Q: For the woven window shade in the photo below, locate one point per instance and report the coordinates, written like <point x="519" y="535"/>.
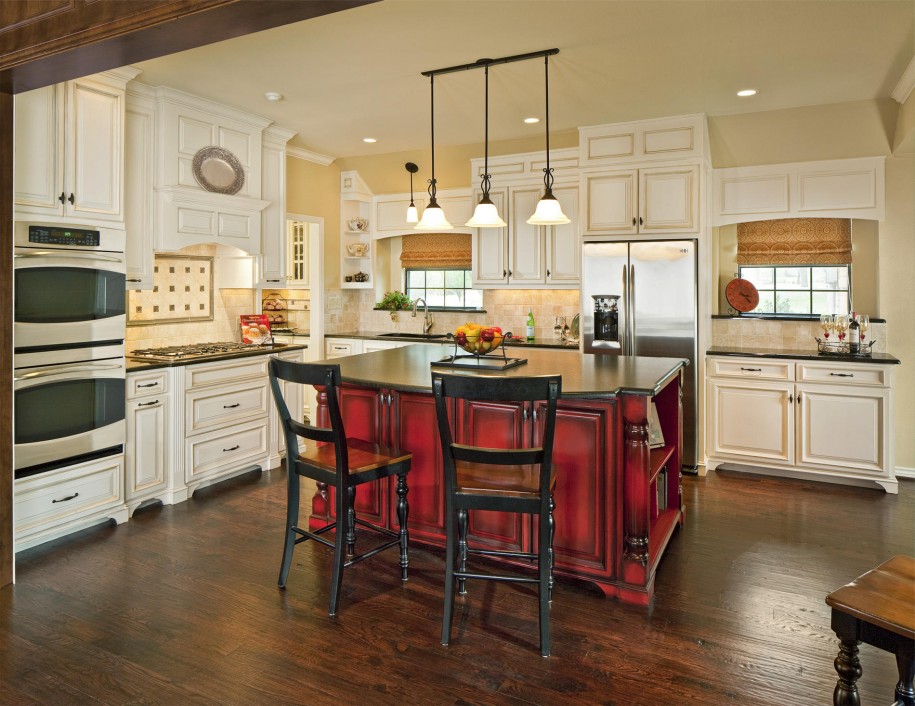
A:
<point x="429" y="250"/>
<point x="795" y="241"/>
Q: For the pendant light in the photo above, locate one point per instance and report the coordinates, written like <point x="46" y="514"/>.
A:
<point x="412" y="215"/>
<point x="486" y="215"/>
<point x="549" y="212"/>
<point x="433" y="215"/>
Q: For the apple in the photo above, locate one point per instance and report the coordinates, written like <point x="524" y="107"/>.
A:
<point x="487" y="335"/>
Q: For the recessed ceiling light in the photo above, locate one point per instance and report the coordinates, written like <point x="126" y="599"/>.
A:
<point x="369" y="139"/>
<point x="273" y="96"/>
<point x="747" y="92"/>
<point x="531" y="121"/>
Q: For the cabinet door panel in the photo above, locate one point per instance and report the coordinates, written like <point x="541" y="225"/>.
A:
<point x="362" y="412"/>
<point x="490" y="248"/>
<point x="416" y="431"/>
<point x="526" y="257"/>
<point x="611" y="202"/>
<point x="584" y="509"/>
<point x="38" y="149"/>
<point x="669" y="199"/>
<point x="497" y="426"/>
<point x="842" y="427"/>
<point x="146" y="446"/>
<point x="94" y="153"/>
<point x="563" y="242"/>
<point x="752" y="422"/>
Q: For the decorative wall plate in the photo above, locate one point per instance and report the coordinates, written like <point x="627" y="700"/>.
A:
<point x="218" y="170"/>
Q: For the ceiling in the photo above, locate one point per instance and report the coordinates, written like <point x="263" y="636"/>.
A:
<point x="357" y="73"/>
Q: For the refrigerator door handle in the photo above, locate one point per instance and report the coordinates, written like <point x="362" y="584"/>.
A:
<point x="624" y="339"/>
<point x="632" y="350"/>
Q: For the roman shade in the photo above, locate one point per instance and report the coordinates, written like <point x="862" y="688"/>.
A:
<point x="795" y="241"/>
<point x="428" y="250"/>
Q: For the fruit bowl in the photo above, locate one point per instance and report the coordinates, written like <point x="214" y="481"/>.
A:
<point x="478" y="339"/>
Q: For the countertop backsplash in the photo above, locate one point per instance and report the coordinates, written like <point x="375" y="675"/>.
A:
<point x="793" y="335"/>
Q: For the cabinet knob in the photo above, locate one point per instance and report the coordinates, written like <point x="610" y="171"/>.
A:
<point x="71" y="199"/>
<point x="641" y="222"/>
<point x="633" y="220"/>
<point x="62" y="198"/>
<point x="509" y="273"/>
<point x="504" y="273"/>
<point x="790" y="398"/>
<point x="547" y="273"/>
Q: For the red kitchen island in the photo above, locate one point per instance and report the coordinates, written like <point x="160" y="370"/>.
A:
<point x="617" y="498"/>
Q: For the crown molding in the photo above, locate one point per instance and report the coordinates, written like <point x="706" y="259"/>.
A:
<point x="309" y="156"/>
<point x="906" y="83"/>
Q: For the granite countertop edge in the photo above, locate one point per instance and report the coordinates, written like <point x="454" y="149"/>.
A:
<point x="879" y="358"/>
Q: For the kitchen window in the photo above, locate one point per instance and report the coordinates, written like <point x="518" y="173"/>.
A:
<point x="443" y="288"/>
<point x="800" y="290"/>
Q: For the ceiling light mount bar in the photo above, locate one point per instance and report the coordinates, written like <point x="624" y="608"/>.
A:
<point x="480" y="63"/>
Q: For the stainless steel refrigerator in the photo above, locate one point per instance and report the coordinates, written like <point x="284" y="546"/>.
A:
<point x="641" y="298"/>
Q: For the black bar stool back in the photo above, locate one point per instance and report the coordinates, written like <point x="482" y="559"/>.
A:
<point x="501" y="480"/>
<point x="340" y="462"/>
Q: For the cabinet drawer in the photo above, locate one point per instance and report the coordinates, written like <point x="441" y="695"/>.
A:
<point x="204" y="374"/>
<point x="215" y="407"/>
<point x="763" y="369"/>
<point x="217" y="451"/>
<point x="58" y="496"/>
<point x="848" y="374"/>
<point x="155" y="382"/>
<point x="336" y="348"/>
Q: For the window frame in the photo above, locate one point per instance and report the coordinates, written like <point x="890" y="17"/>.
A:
<point x="468" y="286"/>
<point x="810" y="290"/>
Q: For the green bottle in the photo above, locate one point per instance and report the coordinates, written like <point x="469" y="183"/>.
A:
<point x="530" y="326"/>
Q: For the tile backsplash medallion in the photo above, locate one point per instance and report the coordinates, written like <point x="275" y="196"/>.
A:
<point x="228" y="305"/>
<point x="505" y="308"/>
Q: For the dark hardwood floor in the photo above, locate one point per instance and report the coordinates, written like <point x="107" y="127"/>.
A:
<point x="180" y="606"/>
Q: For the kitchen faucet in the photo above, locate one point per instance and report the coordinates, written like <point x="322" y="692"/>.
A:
<point x="427" y="317"/>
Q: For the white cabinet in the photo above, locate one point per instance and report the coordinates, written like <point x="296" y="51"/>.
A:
<point x="371" y="345"/>
<point x="50" y="505"/>
<point x="139" y="189"/>
<point x="69" y="149"/>
<point x="840" y="188"/>
<point x="652" y="200"/>
<point x="830" y="421"/>
<point x="294" y="394"/>
<point x="223" y="420"/>
<point x="641" y="141"/>
<point x="340" y="347"/>
<point x="150" y="443"/>
<point x="274" y="230"/>
<point x="524" y="255"/>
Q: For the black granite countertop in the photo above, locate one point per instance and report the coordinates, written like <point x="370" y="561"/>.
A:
<point x="409" y="369"/>
<point x="883" y="358"/>
<point x="391" y="336"/>
<point x="138" y="364"/>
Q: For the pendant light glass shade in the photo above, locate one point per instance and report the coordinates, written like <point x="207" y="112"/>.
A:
<point x="433" y="215"/>
<point x="485" y="215"/>
<point x="412" y="213"/>
<point x="548" y="212"/>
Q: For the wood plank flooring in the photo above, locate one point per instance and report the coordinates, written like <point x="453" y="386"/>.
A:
<point x="180" y="606"/>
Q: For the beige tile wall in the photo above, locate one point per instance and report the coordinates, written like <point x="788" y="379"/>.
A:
<point x="795" y="335"/>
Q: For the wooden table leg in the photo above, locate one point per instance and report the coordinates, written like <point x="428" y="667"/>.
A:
<point x="905" y="662"/>
<point x="848" y="667"/>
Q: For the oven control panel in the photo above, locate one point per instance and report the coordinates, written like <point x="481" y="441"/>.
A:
<point x="59" y="235"/>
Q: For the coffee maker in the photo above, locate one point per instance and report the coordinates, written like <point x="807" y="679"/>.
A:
<point x="606" y="317"/>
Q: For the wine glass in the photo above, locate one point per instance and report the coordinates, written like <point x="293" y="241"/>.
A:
<point x="863" y="322"/>
<point x="841" y="325"/>
<point x="828" y="323"/>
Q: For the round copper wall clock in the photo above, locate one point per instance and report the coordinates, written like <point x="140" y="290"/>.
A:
<point x="742" y="295"/>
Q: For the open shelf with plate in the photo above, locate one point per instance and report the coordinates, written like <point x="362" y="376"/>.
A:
<point x="356" y="246"/>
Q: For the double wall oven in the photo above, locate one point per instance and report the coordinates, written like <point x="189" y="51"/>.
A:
<point x="69" y="321"/>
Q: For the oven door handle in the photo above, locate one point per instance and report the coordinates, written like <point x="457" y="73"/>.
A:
<point x="76" y="254"/>
<point x="68" y="370"/>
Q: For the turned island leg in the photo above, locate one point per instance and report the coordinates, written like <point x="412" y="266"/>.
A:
<point x="636" y="462"/>
<point x="320" y="502"/>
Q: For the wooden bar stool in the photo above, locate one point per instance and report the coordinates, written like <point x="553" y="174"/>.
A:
<point x="502" y="480"/>
<point x="340" y="462"/>
<point x="877" y="608"/>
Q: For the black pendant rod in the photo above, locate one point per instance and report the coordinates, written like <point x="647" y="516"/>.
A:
<point x="432" y="201"/>
<point x="492" y="62"/>
<point x="548" y="178"/>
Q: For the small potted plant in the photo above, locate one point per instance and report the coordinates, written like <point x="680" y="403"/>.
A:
<point x="394" y="302"/>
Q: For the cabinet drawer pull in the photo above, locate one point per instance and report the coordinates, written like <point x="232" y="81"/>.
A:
<point x="232" y="448"/>
<point x="273" y="280"/>
<point x="339" y="348"/>
<point x="842" y="375"/>
<point x="69" y="497"/>
<point x="752" y="370"/>
<point x="149" y="384"/>
<point x="148" y="404"/>
<point x="231" y="406"/>
<point x="134" y="280"/>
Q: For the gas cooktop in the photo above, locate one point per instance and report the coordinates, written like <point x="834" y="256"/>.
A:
<point x="196" y="351"/>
